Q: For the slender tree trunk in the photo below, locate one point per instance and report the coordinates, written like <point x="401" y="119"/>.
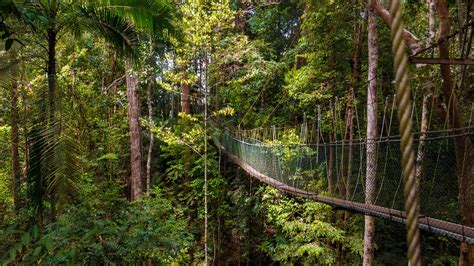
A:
<point x="52" y="86"/>
<point x="466" y="194"/>
<point x="431" y="20"/>
<point x="464" y="149"/>
<point x="412" y="41"/>
<point x="466" y="37"/>
<point x="152" y="137"/>
<point x="331" y="178"/>
<point x="349" y="118"/>
<point x="25" y="130"/>
<point x="185" y="105"/>
<point x="16" y="172"/>
<point x="52" y="97"/>
<point x="135" y="182"/>
<point x="371" y="134"/>
<point x="421" y="143"/>
<point x="424" y="108"/>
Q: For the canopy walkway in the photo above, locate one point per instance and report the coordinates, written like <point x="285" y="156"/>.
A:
<point x="323" y="172"/>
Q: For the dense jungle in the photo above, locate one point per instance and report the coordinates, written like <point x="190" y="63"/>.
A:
<point x="150" y="132"/>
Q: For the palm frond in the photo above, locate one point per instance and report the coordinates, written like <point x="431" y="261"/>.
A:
<point x="54" y="164"/>
<point x="152" y="16"/>
<point x="115" y="29"/>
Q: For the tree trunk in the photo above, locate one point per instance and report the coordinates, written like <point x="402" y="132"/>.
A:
<point x="463" y="147"/>
<point x="349" y="117"/>
<point x="465" y="39"/>
<point x="371" y="134"/>
<point x="52" y="91"/>
<point x="135" y="182"/>
<point x="185" y="105"/>
<point x="16" y="172"/>
<point x="431" y="20"/>
<point x="466" y="195"/>
<point x="52" y="39"/>
<point x="424" y="108"/>
<point x="421" y="143"/>
<point x="412" y="41"/>
<point x="26" y="145"/>
<point x="152" y="137"/>
<point x="331" y="178"/>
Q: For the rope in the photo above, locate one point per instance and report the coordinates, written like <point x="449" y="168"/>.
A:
<point x="406" y="144"/>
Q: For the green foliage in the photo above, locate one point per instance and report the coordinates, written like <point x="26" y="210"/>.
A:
<point x="104" y="232"/>
<point x="278" y="25"/>
<point x="54" y="162"/>
<point x="288" y="58"/>
<point x="303" y="234"/>
<point x="246" y="74"/>
<point x="151" y="15"/>
<point x="6" y="197"/>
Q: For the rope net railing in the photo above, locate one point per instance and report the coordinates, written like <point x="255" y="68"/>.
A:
<point x="336" y="171"/>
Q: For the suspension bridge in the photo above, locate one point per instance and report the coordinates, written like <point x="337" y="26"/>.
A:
<point x="298" y="162"/>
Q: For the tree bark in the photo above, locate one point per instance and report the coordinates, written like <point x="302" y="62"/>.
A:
<point x="331" y="178"/>
<point x="135" y="182"/>
<point x="371" y="134"/>
<point x="185" y="105"/>
<point x="51" y="69"/>
<point x="431" y="21"/>
<point x="16" y="171"/>
<point x="152" y="137"/>
<point x="424" y="108"/>
<point x="52" y="33"/>
<point x="421" y="143"/>
<point x="26" y="145"/>
<point x="463" y="147"/>
<point x="413" y="43"/>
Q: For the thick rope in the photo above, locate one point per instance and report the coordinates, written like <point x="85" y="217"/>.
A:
<point x="406" y="144"/>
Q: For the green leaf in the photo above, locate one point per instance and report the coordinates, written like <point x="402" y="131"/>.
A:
<point x="43" y="19"/>
<point x="37" y="251"/>
<point x="26" y="239"/>
<point x="35" y="231"/>
<point x="48" y="243"/>
<point x="108" y="156"/>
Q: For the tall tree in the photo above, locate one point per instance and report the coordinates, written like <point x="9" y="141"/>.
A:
<point x="420" y="154"/>
<point x="153" y="17"/>
<point x="136" y="170"/>
<point x="463" y="147"/>
<point x="185" y="104"/>
<point x="370" y="172"/>
<point x="15" y="139"/>
<point x="49" y="21"/>
<point x="351" y="96"/>
<point x="151" y="135"/>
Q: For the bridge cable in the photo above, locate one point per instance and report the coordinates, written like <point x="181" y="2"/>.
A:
<point x="406" y="144"/>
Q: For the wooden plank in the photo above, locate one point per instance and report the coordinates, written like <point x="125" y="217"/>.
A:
<point x="437" y="61"/>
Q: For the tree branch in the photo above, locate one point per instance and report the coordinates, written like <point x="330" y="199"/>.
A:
<point x="413" y="43"/>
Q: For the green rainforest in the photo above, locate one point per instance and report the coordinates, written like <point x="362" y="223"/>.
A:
<point x="236" y="132"/>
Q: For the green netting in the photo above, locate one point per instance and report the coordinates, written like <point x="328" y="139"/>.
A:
<point x="327" y="169"/>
